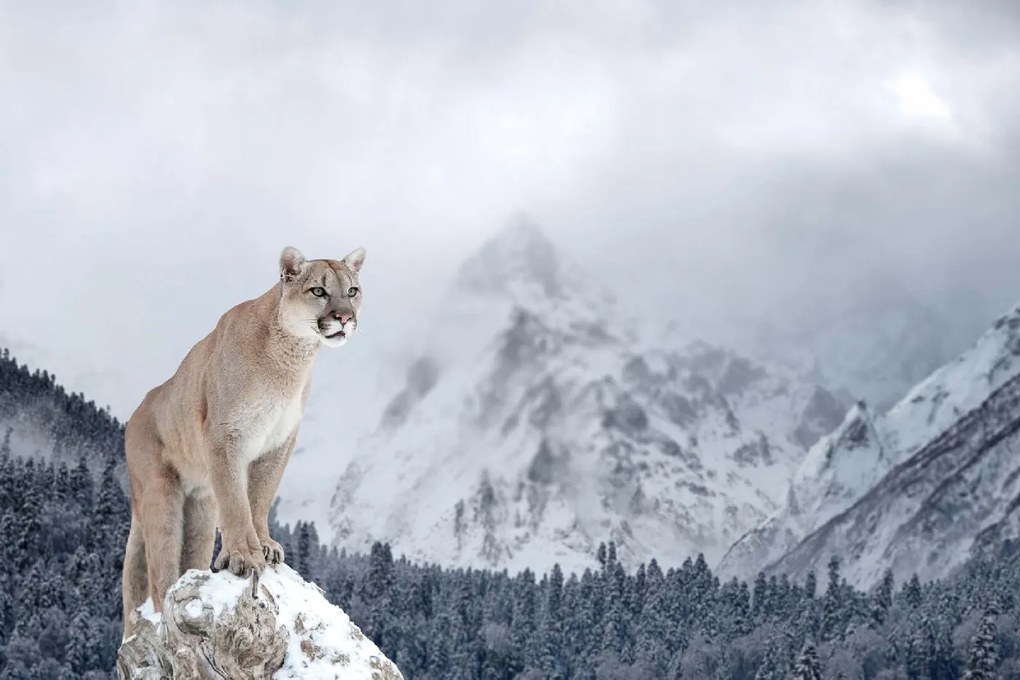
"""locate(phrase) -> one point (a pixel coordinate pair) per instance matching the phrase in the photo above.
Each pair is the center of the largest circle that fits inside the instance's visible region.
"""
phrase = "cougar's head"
(320, 298)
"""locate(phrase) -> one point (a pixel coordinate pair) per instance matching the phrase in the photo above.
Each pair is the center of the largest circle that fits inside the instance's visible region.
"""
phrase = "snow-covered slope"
(954, 441)
(846, 464)
(536, 424)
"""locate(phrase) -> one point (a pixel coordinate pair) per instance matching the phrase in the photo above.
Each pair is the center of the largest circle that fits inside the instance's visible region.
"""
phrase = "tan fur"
(210, 444)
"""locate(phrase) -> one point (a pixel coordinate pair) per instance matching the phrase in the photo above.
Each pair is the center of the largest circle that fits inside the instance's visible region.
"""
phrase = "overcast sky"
(155, 157)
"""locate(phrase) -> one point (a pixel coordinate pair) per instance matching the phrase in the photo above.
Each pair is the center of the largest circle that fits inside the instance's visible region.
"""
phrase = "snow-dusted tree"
(771, 667)
(834, 603)
(882, 598)
(983, 655)
(307, 541)
(808, 667)
(912, 592)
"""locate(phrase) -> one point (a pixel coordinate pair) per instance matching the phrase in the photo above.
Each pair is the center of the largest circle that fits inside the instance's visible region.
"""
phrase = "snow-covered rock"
(220, 626)
(538, 422)
(914, 489)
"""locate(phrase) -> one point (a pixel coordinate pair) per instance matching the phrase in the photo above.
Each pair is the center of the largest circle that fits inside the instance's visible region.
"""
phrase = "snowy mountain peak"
(546, 428)
(841, 465)
(521, 255)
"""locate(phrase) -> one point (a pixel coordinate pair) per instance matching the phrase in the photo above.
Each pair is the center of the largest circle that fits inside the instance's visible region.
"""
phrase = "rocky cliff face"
(219, 626)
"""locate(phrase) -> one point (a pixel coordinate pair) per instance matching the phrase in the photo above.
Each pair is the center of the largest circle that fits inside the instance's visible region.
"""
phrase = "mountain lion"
(214, 438)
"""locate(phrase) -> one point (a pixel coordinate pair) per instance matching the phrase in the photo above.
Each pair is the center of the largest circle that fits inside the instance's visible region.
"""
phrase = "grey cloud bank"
(732, 163)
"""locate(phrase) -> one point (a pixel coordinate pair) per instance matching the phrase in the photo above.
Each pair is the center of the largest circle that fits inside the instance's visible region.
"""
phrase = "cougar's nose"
(342, 317)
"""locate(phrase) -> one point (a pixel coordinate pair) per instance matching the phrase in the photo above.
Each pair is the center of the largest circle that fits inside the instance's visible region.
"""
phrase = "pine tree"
(80, 650)
(652, 638)
(833, 604)
(82, 487)
(28, 546)
(770, 667)
(921, 650)
(550, 641)
(5, 446)
(303, 561)
(758, 597)
(983, 655)
(912, 592)
(808, 667)
(111, 505)
(810, 585)
(882, 599)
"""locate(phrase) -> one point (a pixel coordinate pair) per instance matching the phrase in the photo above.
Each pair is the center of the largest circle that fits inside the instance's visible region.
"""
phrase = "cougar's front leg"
(242, 551)
(264, 477)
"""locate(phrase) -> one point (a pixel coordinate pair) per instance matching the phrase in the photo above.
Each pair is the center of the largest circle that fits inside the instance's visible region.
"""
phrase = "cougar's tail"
(135, 579)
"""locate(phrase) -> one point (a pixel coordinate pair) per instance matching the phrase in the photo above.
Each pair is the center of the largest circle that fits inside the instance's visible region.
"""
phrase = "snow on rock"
(214, 626)
(873, 490)
(538, 423)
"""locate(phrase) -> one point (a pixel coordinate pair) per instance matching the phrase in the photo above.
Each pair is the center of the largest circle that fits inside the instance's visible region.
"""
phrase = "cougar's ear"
(355, 260)
(291, 263)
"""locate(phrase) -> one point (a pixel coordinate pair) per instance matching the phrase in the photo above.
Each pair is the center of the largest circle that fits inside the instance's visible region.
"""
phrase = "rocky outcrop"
(220, 626)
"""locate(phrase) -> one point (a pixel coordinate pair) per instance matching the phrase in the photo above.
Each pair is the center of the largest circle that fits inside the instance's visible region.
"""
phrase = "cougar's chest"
(272, 422)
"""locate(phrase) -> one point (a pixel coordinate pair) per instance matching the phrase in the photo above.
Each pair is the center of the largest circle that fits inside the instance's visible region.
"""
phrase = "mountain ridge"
(841, 468)
(556, 426)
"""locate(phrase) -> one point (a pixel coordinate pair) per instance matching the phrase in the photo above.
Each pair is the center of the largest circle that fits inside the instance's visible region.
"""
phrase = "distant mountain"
(872, 344)
(914, 489)
(538, 422)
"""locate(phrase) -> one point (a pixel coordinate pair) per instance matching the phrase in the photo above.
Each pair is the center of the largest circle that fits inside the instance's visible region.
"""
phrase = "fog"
(716, 163)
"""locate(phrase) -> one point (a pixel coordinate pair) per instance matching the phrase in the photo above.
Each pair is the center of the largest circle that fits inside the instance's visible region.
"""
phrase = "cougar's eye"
(352, 291)
(318, 291)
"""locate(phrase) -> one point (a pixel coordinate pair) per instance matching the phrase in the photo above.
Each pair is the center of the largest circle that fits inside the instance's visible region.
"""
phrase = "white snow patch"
(149, 613)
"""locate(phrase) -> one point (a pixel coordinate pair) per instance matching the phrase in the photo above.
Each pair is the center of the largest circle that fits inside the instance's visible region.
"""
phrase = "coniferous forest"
(64, 520)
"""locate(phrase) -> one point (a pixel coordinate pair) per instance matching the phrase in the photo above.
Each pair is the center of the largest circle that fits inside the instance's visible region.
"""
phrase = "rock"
(220, 626)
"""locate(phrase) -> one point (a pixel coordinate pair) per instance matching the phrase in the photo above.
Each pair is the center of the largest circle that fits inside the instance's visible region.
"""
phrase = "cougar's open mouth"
(335, 336)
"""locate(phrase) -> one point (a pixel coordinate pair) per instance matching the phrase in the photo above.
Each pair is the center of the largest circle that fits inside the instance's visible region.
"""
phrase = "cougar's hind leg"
(199, 531)
(163, 513)
(135, 578)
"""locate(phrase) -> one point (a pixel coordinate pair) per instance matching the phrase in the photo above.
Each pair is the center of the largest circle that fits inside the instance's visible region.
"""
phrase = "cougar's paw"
(240, 560)
(272, 551)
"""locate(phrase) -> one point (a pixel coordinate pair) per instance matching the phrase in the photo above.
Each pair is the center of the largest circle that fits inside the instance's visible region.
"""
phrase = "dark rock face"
(422, 376)
(756, 452)
(822, 414)
(739, 375)
(543, 466)
(627, 416)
